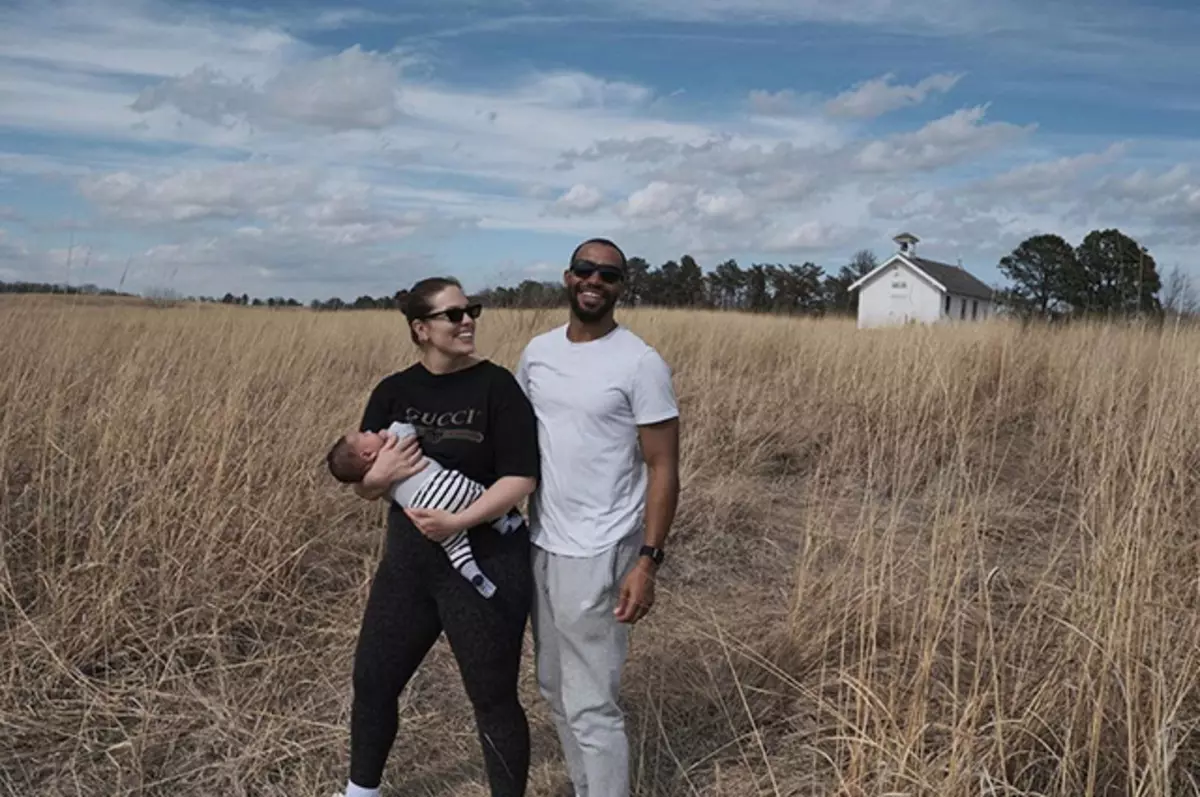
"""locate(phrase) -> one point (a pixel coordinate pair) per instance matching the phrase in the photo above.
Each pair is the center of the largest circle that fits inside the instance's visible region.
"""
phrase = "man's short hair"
(604, 242)
(343, 464)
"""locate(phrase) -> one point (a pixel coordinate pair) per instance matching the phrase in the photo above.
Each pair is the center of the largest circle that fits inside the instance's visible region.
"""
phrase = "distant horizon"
(546, 281)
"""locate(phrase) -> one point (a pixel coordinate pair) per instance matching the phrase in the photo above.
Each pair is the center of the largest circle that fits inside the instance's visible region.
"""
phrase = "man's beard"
(586, 315)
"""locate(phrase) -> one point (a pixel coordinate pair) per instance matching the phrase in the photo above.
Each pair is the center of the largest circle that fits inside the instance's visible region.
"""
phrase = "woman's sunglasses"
(455, 314)
(586, 268)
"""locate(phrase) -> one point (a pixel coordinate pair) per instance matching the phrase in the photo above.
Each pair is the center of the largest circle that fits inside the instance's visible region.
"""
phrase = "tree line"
(49, 287)
(762, 287)
(1107, 274)
(393, 302)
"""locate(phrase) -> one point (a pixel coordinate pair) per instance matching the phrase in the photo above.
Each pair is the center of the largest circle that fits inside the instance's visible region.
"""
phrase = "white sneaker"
(343, 793)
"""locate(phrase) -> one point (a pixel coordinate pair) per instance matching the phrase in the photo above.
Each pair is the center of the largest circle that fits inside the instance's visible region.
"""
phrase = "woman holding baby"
(471, 416)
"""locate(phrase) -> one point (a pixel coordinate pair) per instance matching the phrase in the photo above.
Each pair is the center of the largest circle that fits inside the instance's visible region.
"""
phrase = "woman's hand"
(436, 524)
(396, 461)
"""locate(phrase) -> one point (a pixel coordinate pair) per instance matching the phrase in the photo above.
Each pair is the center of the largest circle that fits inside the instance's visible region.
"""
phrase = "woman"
(472, 416)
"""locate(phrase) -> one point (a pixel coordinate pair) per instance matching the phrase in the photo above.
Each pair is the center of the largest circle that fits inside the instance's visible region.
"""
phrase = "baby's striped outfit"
(436, 487)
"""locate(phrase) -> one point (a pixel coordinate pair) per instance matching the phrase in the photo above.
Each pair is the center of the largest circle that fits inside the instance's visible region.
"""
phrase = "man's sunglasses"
(586, 268)
(455, 314)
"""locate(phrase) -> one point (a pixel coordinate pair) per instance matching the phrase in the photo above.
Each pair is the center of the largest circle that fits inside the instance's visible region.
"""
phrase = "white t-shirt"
(589, 399)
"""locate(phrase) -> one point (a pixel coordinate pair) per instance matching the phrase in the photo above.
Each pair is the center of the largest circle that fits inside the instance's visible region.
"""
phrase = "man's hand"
(435, 524)
(637, 593)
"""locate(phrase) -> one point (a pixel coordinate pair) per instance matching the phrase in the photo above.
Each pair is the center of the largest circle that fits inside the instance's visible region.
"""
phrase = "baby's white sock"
(358, 791)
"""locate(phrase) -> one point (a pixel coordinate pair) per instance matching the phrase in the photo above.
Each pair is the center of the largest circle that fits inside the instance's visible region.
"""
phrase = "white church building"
(906, 288)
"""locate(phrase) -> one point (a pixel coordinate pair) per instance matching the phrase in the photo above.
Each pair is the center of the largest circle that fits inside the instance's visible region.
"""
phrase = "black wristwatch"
(656, 554)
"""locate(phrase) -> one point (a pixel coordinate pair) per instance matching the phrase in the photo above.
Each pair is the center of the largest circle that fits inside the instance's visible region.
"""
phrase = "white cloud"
(689, 217)
(943, 16)
(727, 208)
(229, 192)
(808, 235)
(697, 218)
(270, 201)
(940, 143)
(74, 67)
(138, 39)
(1144, 186)
(1057, 173)
(580, 90)
(643, 150)
(1168, 201)
(277, 262)
(658, 204)
(345, 17)
(41, 100)
(353, 89)
(21, 262)
(897, 203)
(879, 96)
(347, 91)
(743, 192)
(579, 199)
(766, 102)
(203, 93)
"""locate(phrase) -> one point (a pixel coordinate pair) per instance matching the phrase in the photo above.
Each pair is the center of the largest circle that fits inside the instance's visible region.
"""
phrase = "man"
(608, 430)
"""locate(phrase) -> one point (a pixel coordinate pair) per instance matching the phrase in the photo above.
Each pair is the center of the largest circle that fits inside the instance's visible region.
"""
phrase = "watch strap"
(656, 554)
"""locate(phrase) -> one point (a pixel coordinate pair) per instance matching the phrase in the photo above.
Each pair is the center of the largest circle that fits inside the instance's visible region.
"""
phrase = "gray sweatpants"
(580, 650)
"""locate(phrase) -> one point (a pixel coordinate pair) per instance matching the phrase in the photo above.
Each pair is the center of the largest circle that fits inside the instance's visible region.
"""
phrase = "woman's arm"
(370, 493)
(516, 458)
(503, 495)
(395, 462)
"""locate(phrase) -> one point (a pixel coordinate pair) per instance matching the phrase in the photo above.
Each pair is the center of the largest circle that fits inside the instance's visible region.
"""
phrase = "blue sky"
(305, 150)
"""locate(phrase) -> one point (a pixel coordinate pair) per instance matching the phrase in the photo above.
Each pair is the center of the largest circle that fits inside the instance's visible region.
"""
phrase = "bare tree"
(1180, 296)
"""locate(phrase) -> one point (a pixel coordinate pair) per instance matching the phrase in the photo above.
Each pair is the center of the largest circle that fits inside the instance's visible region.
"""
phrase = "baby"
(432, 487)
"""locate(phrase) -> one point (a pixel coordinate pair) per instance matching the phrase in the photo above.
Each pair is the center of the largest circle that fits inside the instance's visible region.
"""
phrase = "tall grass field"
(944, 561)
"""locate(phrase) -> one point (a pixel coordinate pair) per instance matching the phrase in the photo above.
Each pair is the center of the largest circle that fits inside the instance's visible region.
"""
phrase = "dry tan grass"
(951, 562)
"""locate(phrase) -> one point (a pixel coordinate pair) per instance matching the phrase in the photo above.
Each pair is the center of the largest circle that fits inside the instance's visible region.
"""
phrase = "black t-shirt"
(477, 420)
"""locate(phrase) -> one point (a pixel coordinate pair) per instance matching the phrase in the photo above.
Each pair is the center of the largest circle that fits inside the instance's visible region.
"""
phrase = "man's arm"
(660, 449)
(521, 374)
(656, 413)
